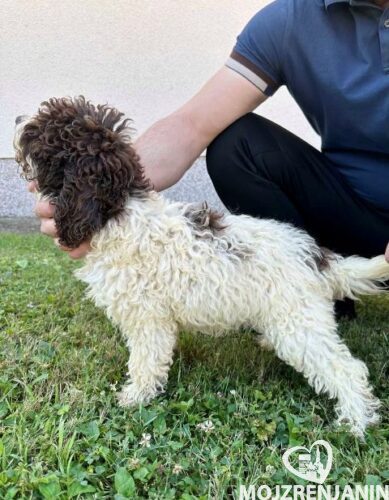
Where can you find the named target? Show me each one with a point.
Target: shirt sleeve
(258, 52)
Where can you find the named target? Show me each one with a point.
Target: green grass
(62, 435)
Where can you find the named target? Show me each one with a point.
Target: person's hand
(387, 253)
(45, 211)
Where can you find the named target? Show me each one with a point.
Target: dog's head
(81, 158)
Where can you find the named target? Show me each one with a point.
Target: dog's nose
(19, 119)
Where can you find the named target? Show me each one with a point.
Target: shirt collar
(353, 3)
(329, 2)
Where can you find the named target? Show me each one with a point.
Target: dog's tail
(353, 276)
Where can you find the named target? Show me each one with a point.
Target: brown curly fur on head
(81, 158)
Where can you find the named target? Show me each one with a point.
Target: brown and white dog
(158, 267)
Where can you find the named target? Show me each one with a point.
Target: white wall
(144, 56)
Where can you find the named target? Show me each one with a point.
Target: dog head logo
(312, 465)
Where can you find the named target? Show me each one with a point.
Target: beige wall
(144, 56)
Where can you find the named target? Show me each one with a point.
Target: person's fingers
(44, 209)
(32, 186)
(79, 252)
(387, 253)
(48, 227)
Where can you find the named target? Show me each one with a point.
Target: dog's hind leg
(306, 338)
(151, 355)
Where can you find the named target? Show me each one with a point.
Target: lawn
(62, 435)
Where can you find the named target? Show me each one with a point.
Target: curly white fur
(156, 272)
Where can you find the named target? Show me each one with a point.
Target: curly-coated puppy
(158, 267)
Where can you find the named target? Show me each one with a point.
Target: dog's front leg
(151, 355)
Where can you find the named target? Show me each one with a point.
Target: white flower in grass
(134, 463)
(177, 469)
(113, 387)
(270, 470)
(145, 441)
(233, 392)
(206, 426)
(219, 394)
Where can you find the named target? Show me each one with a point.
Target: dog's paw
(132, 395)
(358, 422)
(264, 343)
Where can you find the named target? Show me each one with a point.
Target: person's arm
(170, 146)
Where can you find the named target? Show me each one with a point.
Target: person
(333, 55)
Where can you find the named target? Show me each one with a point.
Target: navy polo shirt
(333, 56)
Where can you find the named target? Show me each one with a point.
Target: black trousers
(261, 169)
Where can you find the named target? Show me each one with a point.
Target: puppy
(157, 267)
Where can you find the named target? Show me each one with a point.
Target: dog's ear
(94, 190)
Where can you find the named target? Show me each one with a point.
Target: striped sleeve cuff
(252, 73)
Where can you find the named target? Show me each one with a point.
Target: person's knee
(224, 147)
(248, 132)
(215, 156)
(235, 148)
